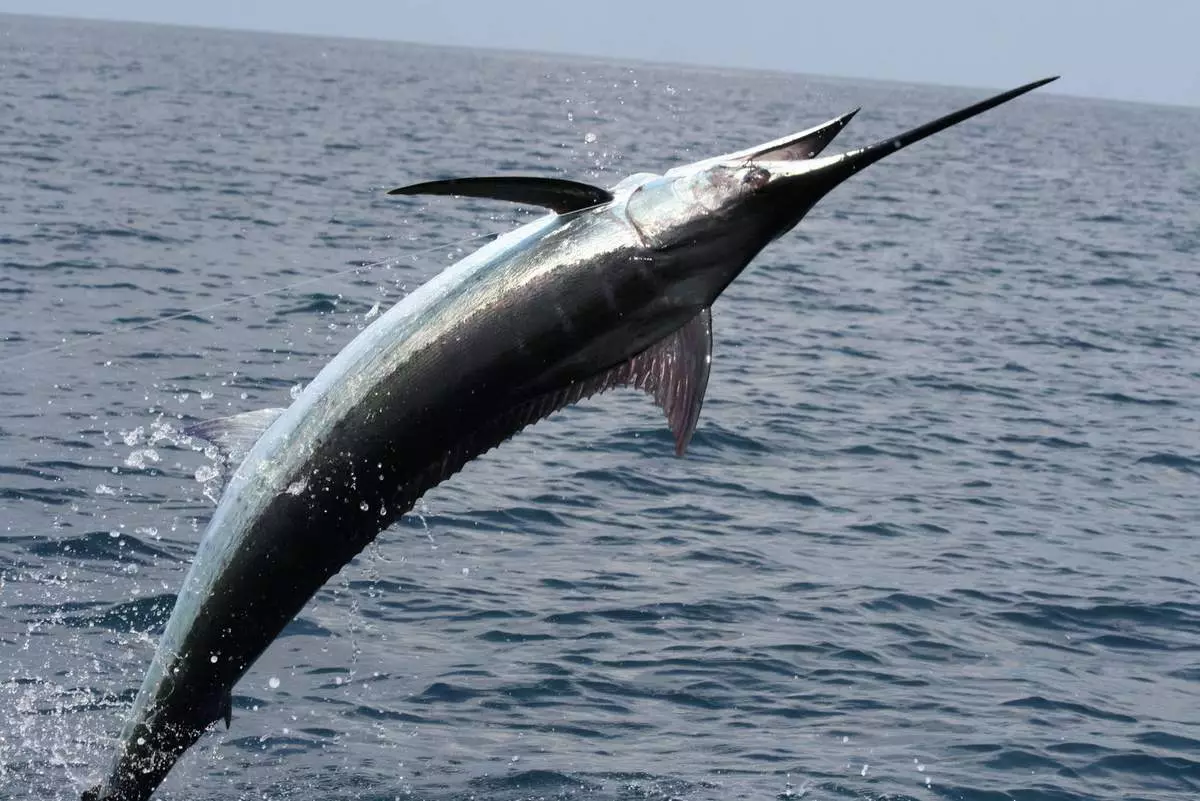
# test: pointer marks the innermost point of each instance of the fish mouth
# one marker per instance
(819, 175)
(799, 146)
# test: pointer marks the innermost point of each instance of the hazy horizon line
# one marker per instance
(592, 57)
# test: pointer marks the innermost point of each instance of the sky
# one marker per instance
(1148, 50)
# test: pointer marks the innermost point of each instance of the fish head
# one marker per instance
(715, 197)
(715, 215)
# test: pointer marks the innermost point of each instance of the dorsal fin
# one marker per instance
(556, 194)
(234, 436)
(674, 371)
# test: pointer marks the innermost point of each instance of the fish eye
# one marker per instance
(756, 178)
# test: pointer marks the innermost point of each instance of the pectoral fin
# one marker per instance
(235, 436)
(674, 371)
(558, 195)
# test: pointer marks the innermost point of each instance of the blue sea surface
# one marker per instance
(935, 537)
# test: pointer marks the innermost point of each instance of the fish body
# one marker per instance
(612, 288)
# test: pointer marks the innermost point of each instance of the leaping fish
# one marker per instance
(612, 288)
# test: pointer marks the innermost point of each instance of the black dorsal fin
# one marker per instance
(556, 194)
(674, 371)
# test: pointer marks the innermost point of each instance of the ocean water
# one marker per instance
(935, 537)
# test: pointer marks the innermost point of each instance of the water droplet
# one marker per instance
(591, 137)
(140, 458)
(133, 437)
(273, 683)
(206, 473)
(213, 659)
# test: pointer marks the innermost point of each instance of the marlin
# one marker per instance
(611, 289)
